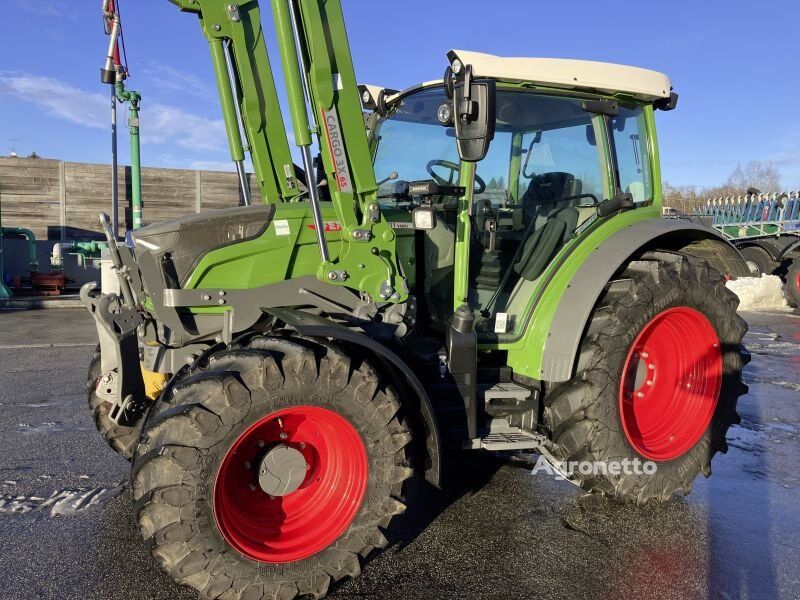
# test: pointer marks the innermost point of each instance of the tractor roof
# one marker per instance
(606, 78)
(570, 74)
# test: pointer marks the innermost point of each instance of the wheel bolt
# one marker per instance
(260, 443)
(284, 435)
(640, 395)
(645, 355)
(252, 487)
(688, 386)
(302, 445)
(649, 382)
(247, 465)
(651, 366)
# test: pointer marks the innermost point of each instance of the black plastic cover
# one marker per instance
(179, 245)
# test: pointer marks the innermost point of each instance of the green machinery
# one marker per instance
(52, 280)
(476, 263)
(5, 292)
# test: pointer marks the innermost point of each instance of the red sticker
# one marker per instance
(328, 226)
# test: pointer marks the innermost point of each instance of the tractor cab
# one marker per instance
(572, 143)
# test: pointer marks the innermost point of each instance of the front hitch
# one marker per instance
(121, 384)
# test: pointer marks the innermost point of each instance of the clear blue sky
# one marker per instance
(735, 64)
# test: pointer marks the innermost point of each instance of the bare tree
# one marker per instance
(685, 199)
(762, 176)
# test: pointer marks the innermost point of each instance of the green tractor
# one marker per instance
(477, 263)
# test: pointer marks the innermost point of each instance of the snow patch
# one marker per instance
(60, 502)
(759, 293)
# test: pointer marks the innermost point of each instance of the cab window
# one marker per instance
(629, 131)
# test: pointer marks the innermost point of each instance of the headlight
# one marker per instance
(445, 114)
(424, 217)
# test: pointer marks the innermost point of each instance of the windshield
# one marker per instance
(538, 188)
(411, 137)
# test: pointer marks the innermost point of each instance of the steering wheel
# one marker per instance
(480, 184)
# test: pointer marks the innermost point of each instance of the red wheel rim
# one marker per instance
(297, 525)
(670, 383)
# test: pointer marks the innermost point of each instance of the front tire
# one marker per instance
(659, 376)
(121, 439)
(219, 514)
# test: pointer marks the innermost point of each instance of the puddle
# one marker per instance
(751, 436)
(789, 385)
(744, 438)
(771, 344)
(65, 502)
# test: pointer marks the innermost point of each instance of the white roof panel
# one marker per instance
(571, 74)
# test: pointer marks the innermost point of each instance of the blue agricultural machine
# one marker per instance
(766, 230)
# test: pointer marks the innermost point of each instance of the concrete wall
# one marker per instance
(61, 200)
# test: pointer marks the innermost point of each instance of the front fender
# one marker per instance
(311, 325)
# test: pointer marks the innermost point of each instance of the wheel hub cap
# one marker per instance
(670, 384)
(282, 470)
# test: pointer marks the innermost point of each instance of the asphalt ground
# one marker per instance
(498, 531)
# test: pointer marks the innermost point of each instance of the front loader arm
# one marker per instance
(247, 88)
(320, 81)
(368, 255)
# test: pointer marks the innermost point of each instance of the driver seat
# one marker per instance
(544, 192)
(548, 211)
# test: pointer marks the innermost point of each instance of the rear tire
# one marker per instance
(760, 259)
(199, 521)
(792, 285)
(678, 304)
(121, 439)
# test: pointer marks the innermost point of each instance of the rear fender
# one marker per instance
(549, 352)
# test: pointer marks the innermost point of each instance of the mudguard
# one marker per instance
(790, 249)
(569, 321)
(311, 325)
(778, 247)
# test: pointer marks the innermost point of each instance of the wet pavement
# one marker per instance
(67, 530)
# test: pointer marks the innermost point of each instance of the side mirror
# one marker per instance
(667, 104)
(474, 114)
